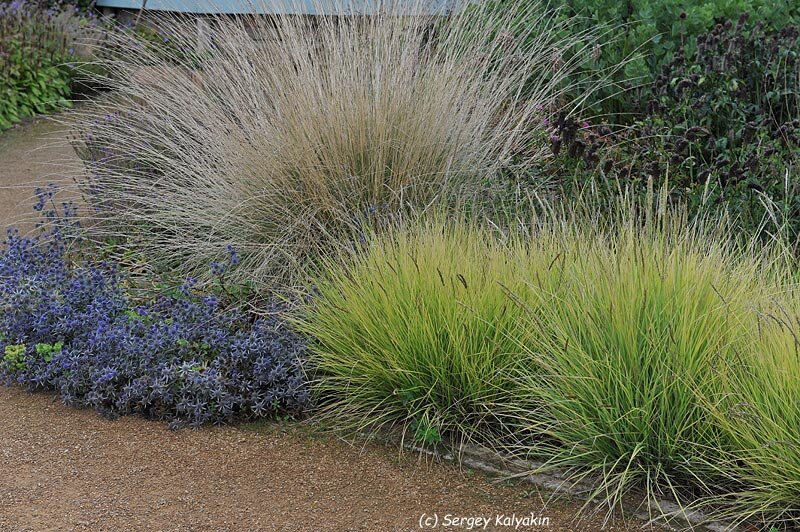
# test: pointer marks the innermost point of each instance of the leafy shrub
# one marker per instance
(74, 327)
(723, 129)
(732, 115)
(659, 32)
(284, 145)
(36, 45)
(645, 35)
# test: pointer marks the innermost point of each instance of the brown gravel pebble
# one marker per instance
(68, 469)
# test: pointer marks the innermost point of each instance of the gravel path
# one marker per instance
(68, 469)
(71, 469)
(31, 155)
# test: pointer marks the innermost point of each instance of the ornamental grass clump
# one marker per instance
(760, 418)
(418, 332)
(628, 356)
(282, 135)
(610, 351)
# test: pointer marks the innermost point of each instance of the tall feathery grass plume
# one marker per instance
(283, 135)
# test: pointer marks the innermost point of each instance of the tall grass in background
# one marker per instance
(280, 136)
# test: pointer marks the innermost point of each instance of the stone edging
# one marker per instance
(483, 459)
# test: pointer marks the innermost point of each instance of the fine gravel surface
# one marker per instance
(33, 155)
(69, 469)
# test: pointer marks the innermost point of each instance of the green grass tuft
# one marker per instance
(640, 328)
(612, 351)
(760, 419)
(418, 331)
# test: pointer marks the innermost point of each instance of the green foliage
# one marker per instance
(645, 35)
(730, 119)
(723, 131)
(36, 47)
(656, 30)
(418, 331)
(46, 351)
(426, 432)
(14, 357)
(30, 87)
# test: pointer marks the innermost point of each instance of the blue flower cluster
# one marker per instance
(72, 326)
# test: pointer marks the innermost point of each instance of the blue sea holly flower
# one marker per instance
(185, 359)
(218, 268)
(233, 256)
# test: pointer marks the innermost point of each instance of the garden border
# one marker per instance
(484, 459)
